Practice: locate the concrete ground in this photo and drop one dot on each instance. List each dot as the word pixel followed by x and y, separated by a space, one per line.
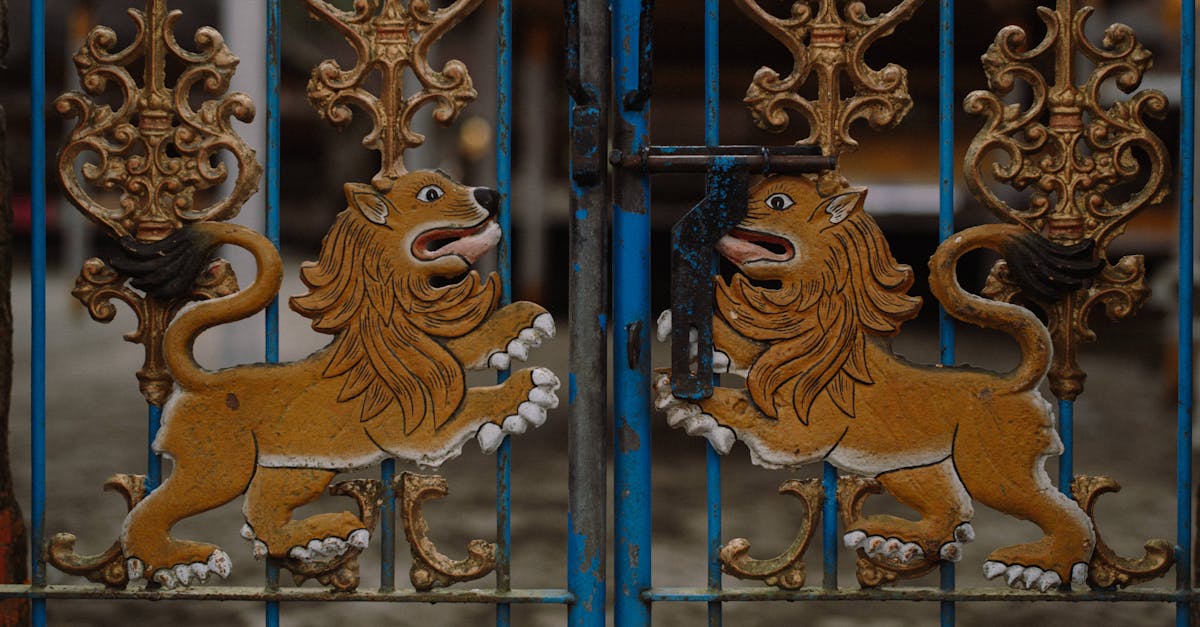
pixel 96 427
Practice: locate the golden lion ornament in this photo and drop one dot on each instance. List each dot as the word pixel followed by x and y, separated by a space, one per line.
pixel 394 286
pixel 807 320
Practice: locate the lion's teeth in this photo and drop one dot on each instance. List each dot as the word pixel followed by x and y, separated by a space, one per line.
pixel 545 324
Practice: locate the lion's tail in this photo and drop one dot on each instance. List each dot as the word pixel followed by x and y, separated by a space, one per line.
pixel 1045 271
pixel 181 335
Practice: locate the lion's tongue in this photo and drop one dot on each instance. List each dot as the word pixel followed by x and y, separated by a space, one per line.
pixel 740 251
pixel 472 247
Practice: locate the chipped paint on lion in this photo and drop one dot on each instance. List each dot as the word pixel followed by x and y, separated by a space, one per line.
pixel 808 317
pixel 394 287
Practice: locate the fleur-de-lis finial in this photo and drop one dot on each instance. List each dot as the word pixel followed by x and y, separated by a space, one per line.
pixel 388 37
pixel 1077 155
pixel 829 45
pixel 160 155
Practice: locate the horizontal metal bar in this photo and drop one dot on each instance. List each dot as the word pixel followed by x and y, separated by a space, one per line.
pixel 758 159
pixel 248 593
pixel 704 595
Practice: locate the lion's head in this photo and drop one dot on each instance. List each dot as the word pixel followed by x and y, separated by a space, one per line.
pixel 395 269
pixel 834 280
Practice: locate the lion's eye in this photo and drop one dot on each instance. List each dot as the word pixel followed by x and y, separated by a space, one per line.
pixel 430 193
pixel 779 202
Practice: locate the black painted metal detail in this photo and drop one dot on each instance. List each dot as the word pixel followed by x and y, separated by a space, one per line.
pixel 165 269
pixel 1046 271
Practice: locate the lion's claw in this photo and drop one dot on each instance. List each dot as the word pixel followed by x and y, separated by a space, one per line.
pixel 692 418
pixel 532 336
pixel 322 550
pixel 884 548
pixel 172 577
pixel 1032 577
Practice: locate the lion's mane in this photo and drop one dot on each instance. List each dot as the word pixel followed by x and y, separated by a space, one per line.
pixel 817 329
pixel 367 292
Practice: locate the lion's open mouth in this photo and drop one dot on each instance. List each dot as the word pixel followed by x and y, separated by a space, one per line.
pixel 743 246
pixel 469 242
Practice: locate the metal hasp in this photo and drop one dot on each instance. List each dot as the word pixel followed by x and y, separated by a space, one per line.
pixel 695 235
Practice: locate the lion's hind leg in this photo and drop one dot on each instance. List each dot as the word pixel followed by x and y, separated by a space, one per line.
pixel 936 493
pixel 272 497
pixel 209 472
pixel 1001 463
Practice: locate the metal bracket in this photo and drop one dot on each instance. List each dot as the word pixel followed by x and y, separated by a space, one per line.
pixel 587 161
pixel 695 235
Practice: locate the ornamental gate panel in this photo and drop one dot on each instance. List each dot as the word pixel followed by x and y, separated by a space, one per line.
pixel 785 350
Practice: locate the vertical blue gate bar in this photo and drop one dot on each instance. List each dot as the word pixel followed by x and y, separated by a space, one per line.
pixel 504 95
pixel 274 42
pixel 37 171
pixel 631 324
pixel 946 217
pixel 1066 432
pixel 712 137
pixel 1183 438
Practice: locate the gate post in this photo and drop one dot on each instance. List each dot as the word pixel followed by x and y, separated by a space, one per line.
pixel 587 50
pixel 13 562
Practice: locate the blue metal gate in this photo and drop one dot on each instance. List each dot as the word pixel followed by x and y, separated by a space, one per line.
pixel 616 36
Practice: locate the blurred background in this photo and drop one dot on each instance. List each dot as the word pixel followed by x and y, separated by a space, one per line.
pixel 1125 421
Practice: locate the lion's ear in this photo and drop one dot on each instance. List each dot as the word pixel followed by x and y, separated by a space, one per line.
pixel 373 205
pixel 841 206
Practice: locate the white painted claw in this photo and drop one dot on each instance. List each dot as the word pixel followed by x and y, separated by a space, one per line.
pixel 220 563
pixel 951 552
pixel 911 552
pixel 544 323
pixel 722 439
pixel 183 572
pixel 891 547
pixel 533 413
pixel 515 425
pixel 991 570
pixel 166 578
pixel 499 361
pixel 300 553
pixel 359 539
pixel 720 361
pixel 1079 573
pixel 333 547
pixel 663 328
pixel 874 545
pixel 1048 581
pixel 544 378
pixel 1030 576
pixel 134 567
pixel 260 549
pixel 530 337
pixel 247 532
pixel 854 539
pixel 200 571
pixel 1012 574
pixel 964 533
pixel 517 350
pixel 490 436
pixel 682 415
pixel 543 398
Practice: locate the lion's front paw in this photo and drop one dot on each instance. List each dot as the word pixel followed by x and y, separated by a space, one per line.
pixel 1020 576
pixel 691 417
pixel 532 336
pixel 721 363
pixel 530 413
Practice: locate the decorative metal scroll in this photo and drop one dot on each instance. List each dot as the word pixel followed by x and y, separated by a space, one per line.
pixel 806 317
pixel 1090 165
pixel 141 170
pixel 430 568
pixel 388 36
pixel 829 45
